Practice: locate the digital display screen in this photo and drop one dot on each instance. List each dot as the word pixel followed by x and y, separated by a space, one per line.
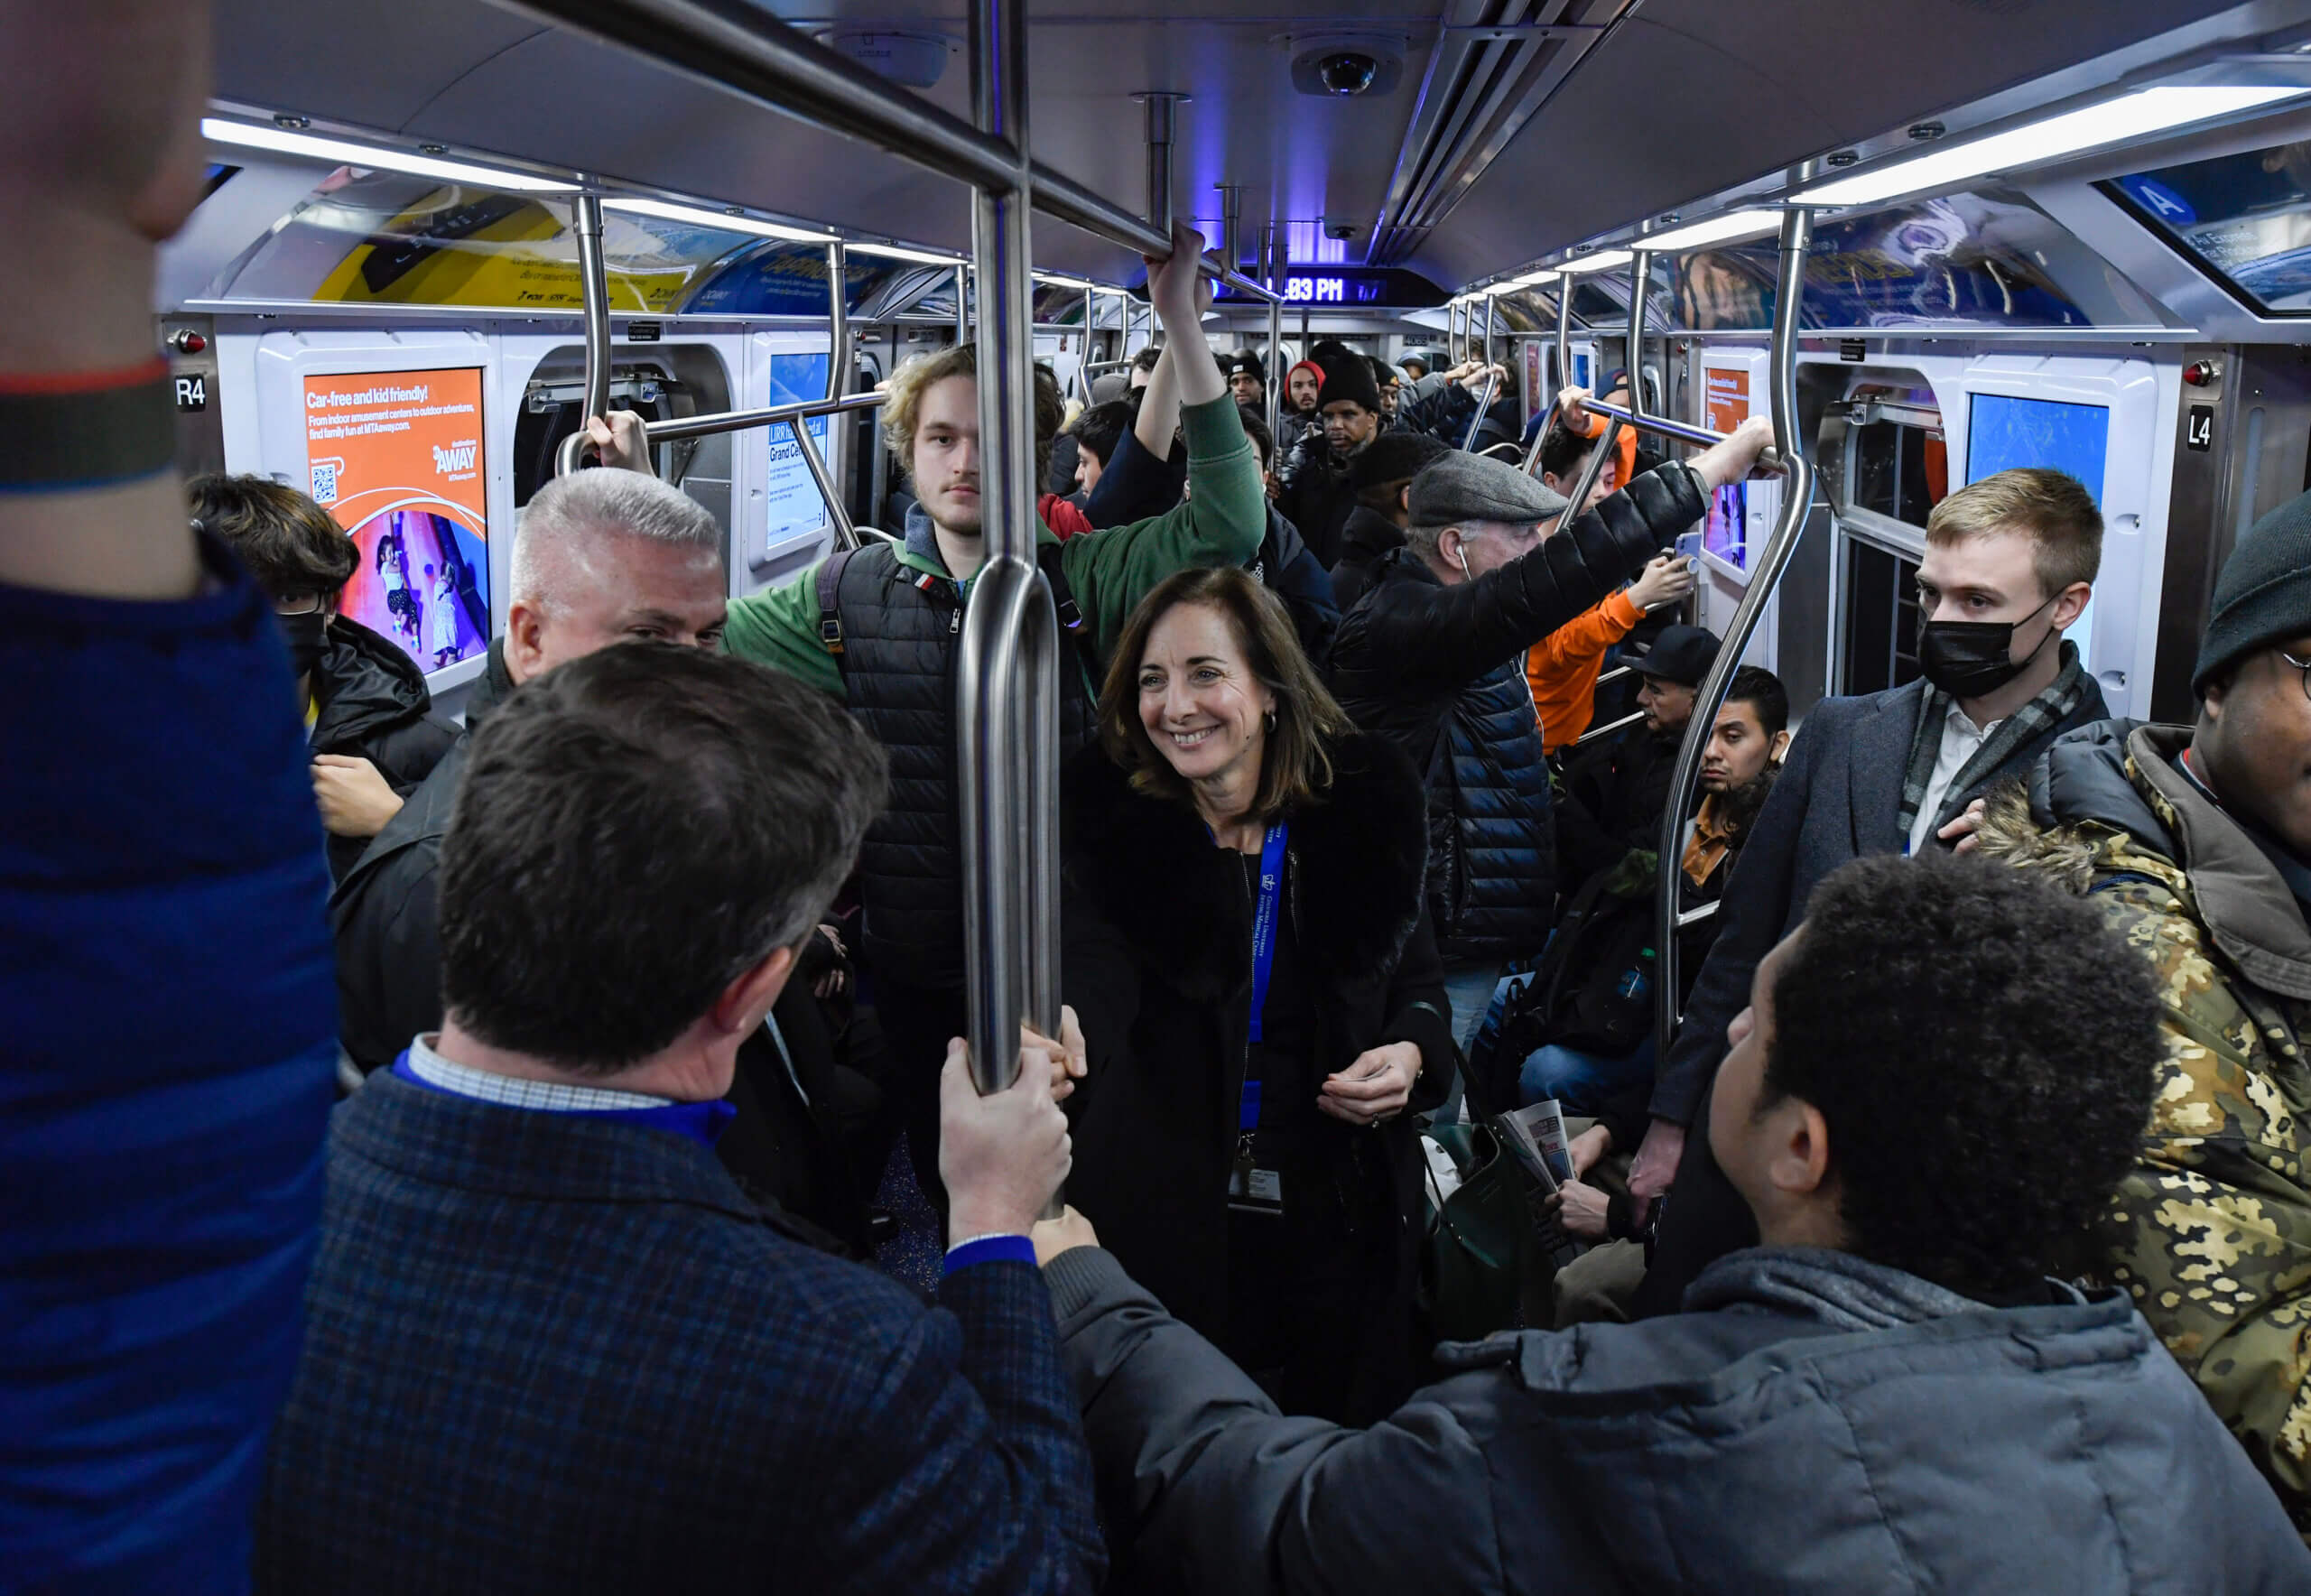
pixel 1349 285
pixel 1726 534
pixel 795 505
pixel 396 458
pixel 2003 433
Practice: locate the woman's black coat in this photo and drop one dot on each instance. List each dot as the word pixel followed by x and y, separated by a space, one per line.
pixel 1157 966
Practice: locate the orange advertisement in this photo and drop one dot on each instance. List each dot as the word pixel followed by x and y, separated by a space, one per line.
pixel 396 458
pixel 1729 398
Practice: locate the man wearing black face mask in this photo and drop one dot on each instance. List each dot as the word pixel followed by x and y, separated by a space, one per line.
pixel 364 702
pixel 2009 563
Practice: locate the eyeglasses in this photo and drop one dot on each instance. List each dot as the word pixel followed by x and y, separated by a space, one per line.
pixel 2302 665
pixel 304 606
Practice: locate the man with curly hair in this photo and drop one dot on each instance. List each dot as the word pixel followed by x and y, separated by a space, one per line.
pixel 1938 1082
pixel 879 628
pixel 2196 841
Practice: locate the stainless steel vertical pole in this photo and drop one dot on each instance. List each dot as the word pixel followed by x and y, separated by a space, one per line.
pixel 1008 673
pixel 838 382
pixel 1275 383
pixel 1564 369
pixel 1231 224
pixel 586 223
pixel 1640 279
pixel 962 303
pixel 1796 498
pixel 1083 363
pixel 1162 123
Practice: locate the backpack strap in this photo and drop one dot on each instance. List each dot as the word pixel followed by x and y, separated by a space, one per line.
pixel 1070 614
pixel 830 589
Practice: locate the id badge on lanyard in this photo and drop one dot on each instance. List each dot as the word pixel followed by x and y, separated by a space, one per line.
pixel 1250 1189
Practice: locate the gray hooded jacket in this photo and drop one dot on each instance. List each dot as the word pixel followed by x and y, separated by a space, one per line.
pixel 1812 1423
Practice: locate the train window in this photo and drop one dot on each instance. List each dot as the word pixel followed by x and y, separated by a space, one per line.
pixel 2243 220
pixel 1900 464
pixel 1881 616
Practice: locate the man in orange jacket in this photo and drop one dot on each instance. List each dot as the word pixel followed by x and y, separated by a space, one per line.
pixel 1562 668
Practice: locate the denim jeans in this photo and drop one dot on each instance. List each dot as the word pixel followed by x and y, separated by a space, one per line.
pixel 1468 988
pixel 1582 1083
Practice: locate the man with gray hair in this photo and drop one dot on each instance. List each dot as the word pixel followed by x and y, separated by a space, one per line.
pixel 1433 657
pixel 600 557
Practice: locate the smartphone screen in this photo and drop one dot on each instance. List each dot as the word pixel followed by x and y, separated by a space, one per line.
pixel 1689 546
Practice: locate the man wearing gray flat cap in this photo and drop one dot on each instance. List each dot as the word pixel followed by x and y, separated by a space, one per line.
pixel 1432 657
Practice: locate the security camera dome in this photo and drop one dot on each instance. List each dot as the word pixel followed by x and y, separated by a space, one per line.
pixel 1347 71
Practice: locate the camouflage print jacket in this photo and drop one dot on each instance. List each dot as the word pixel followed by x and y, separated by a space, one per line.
pixel 2212 1231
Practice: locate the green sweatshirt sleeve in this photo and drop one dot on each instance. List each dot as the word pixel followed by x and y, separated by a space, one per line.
pixel 1220 523
pixel 780 628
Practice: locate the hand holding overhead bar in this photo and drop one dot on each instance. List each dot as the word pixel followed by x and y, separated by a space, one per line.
pixel 1575 403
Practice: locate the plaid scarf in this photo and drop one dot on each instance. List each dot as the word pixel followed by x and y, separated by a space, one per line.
pixel 2042 714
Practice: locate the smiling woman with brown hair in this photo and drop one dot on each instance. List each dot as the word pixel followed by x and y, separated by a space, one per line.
pixel 1249 950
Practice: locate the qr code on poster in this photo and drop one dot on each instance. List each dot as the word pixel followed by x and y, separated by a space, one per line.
pixel 325 482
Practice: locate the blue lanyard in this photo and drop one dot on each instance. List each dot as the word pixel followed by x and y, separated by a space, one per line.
pixel 1263 917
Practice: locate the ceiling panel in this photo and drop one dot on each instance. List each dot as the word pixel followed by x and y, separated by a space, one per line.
pixel 1685 97
pixel 1689 96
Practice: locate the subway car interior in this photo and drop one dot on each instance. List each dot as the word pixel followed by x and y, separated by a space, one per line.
pixel 1926 243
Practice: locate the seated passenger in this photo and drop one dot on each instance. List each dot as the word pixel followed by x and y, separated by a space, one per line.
pixel 2010 565
pixel 1432 657
pixel 601 557
pixel 1589 1002
pixel 2195 841
pixel 1615 788
pixel 879 628
pixel 1264 1189
pixel 1889 1391
pixel 166 987
pixel 1381 478
pixel 550 1345
pixel 367 709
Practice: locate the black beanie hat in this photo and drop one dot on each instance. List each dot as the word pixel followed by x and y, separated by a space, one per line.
pixel 1394 457
pixel 2264 593
pixel 1347 376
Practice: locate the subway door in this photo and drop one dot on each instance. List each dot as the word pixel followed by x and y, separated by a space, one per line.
pixel 2242 448
pixel 189 342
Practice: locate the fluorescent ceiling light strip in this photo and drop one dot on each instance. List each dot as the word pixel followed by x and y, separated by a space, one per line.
pixel 1718 230
pixel 1053 279
pixel 698 217
pixel 894 252
pixel 251 136
pixel 1604 260
pixel 2129 117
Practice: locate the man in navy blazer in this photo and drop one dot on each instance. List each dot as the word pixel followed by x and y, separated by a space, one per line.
pixel 550 1345
pixel 2010 564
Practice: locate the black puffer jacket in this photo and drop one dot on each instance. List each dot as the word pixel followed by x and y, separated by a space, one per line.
pixel 370 702
pixel 1157 965
pixel 1316 494
pixel 1416 660
pixel 386 911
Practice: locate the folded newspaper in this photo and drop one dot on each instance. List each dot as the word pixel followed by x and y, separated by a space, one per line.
pixel 1536 1136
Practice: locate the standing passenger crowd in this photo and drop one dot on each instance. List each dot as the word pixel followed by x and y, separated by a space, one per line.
pixel 1957 1242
